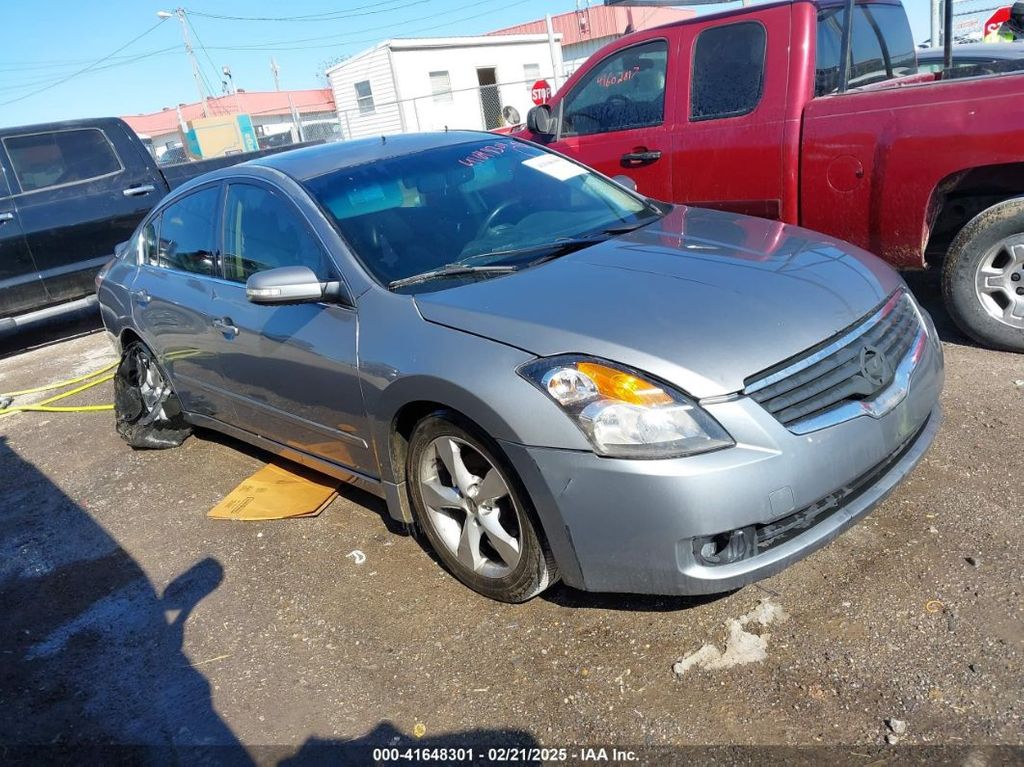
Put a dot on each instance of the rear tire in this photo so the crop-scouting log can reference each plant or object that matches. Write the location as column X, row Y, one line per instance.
column 476, row 515
column 983, row 277
column 147, row 411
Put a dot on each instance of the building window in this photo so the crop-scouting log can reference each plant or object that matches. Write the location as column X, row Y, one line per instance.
column 728, row 71
column 364, row 97
column 441, row 86
column 531, row 73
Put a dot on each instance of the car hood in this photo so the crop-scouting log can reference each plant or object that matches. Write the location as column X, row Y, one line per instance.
column 701, row 299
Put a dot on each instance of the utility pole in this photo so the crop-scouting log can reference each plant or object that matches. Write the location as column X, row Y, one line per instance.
column 277, row 74
column 551, row 50
column 936, row 23
column 180, row 13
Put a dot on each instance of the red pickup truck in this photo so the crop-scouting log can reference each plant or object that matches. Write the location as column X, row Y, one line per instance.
column 753, row 111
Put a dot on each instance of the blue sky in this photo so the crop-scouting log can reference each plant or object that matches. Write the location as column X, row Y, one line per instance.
column 52, row 41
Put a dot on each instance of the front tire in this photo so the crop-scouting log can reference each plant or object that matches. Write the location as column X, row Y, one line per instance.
column 471, row 507
column 983, row 277
column 147, row 411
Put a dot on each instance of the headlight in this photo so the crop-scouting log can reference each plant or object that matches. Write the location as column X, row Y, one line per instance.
column 623, row 412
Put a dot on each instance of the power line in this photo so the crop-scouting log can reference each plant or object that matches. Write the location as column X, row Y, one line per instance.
column 121, row 62
column 82, row 71
column 291, row 45
column 315, row 17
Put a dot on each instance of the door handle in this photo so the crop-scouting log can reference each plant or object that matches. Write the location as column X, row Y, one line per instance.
column 640, row 157
column 138, row 191
column 141, row 297
column 225, row 326
column 5, row 217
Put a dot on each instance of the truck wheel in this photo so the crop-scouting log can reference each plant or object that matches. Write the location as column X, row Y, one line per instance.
column 470, row 506
column 983, row 277
column 147, row 411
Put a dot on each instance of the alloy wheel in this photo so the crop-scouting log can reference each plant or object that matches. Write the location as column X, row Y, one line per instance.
column 470, row 507
column 999, row 281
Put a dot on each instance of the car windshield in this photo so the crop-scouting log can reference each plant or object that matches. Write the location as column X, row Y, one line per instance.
column 486, row 203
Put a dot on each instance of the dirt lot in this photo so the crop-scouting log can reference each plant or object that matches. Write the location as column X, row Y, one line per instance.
column 128, row 616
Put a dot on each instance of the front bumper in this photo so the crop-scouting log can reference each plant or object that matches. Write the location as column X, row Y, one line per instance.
column 630, row 526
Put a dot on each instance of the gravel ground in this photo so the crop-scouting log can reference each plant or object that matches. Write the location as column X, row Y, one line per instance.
column 128, row 616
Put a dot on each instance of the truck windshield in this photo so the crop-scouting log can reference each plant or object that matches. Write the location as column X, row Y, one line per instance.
column 495, row 202
column 882, row 46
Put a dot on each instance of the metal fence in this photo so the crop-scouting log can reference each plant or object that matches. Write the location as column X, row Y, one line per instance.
column 969, row 17
column 484, row 107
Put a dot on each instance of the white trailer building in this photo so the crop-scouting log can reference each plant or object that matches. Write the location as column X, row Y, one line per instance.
column 422, row 84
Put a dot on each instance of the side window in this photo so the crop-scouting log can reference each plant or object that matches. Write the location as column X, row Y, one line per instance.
column 728, row 71
column 263, row 231
column 882, row 46
column 42, row 160
column 625, row 91
column 187, row 237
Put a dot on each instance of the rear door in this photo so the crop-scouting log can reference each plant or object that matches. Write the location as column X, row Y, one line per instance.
column 172, row 298
column 728, row 151
column 21, row 287
column 77, row 198
column 615, row 118
column 291, row 369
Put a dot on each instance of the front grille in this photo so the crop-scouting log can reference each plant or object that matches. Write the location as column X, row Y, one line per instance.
column 857, row 367
column 745, row 542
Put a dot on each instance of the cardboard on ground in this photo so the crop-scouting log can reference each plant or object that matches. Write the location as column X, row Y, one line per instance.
column 278, row 491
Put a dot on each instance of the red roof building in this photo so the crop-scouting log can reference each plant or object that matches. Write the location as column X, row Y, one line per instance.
column 262, row 106
column 588, row 29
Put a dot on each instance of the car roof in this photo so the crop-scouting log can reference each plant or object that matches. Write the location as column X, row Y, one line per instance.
column 995, row 51
column 310, row 162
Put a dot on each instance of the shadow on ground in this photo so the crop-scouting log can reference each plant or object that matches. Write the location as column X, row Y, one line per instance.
column 92, row 654
column 55, row 331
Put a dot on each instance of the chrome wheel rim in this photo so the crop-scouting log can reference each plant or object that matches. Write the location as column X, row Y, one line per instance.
column 470, row 507
column 151, row 384
column 999, row 281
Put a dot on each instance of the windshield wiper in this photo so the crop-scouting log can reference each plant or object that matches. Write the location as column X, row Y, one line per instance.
column 451, row 270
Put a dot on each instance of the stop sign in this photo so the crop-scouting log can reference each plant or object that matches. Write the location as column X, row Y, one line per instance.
column 540, row 92
column 999, row 18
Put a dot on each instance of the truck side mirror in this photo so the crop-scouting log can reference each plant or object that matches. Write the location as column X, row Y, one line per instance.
column 540, row 121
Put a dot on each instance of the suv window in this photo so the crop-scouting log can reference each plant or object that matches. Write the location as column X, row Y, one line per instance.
column 728, row 71
column 625, row 91
column 42, row 160
column 264, row 231
column 882, row 46
column 187, row 237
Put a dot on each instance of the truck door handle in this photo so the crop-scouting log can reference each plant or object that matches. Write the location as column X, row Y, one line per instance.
column 138, row 191
column 640, row 157
column 141, row 297
column 224, row 325
column 5, row 217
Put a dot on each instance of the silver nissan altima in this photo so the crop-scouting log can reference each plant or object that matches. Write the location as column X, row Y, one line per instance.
column 544, row 374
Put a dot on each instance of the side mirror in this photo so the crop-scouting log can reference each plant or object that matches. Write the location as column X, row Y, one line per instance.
column 625, row 181
column 289, row 285
column 539, row 120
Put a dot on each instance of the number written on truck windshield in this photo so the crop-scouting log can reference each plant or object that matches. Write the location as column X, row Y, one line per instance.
column 882, row 46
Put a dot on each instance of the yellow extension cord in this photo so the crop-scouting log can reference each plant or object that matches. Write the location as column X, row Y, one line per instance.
column 92, row 379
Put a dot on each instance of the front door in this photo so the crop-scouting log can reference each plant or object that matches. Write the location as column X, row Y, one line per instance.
column 21, row 287
column 727, row 152
column 617, row 118
column 77, row 200
column 490, row 97
column 173, row 295
column 291, row 369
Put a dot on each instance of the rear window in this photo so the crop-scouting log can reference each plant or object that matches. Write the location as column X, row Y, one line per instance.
column 728, row 71
column 882, row 46
column 43, row 160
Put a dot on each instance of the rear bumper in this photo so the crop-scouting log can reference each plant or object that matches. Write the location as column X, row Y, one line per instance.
column 631, row 526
